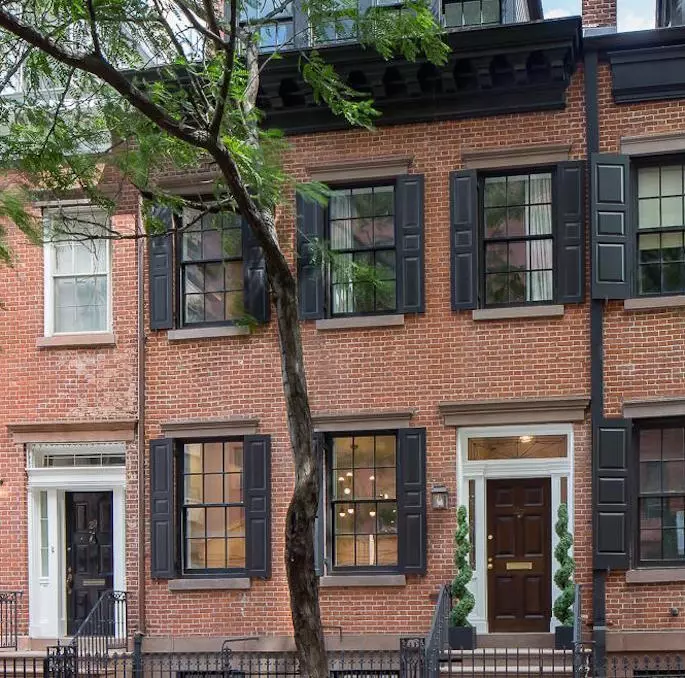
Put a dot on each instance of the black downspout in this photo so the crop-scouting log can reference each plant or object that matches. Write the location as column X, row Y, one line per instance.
column 596, row 368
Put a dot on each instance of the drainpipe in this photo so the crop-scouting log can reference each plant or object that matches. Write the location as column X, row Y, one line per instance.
column 596, row 364
column 140, row 242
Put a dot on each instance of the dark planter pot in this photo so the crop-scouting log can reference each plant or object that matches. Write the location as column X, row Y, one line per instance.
column 462, row 637
column 563, row 637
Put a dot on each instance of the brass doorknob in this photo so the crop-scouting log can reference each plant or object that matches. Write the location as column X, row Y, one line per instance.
column 490, row 537
column 490, row 566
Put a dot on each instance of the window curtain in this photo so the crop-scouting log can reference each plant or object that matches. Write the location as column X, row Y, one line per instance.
column 341, row 239
column 539, row 223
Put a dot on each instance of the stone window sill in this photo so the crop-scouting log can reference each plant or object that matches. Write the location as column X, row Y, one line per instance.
column 517, row 312
column 362, row 580
column 85, row 340
column 193, row 333
column 361, row 322
column 210, row 584
column 654, row 303
column 656, row 575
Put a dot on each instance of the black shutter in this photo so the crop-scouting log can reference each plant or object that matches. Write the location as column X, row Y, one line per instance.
column 464, row 239
column 611, row 519
column 161, row 254
column 570, row 232
column 257, row 470
column 319, row 537
column 411, row 500
column 611, row 227
column 256, row 286
column 409, row 238
column 310, row 228
column 162, row 509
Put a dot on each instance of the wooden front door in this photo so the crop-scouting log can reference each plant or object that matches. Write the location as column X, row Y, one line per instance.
column 89, row 559
column 518, row 551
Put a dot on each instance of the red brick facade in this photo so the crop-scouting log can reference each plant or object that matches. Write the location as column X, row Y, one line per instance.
column 435, row 357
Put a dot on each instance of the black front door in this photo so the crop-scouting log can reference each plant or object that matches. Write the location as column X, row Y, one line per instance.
column 89, row 553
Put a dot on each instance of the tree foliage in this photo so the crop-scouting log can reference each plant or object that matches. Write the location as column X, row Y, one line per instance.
column 462, row 599
column 563, row 577
column 99, row 95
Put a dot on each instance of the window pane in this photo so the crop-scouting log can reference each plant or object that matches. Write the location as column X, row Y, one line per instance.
column 384, row 201
column 385, row 451
column 650, row 444
column 233, row 457
column 471, row 12
column 236, row 552
column 233, row 488
column 344, row 519
column 385, row 483
column 648, row 182
column 650, row 279
column 236, row 521
column 343, row 484
column 650, row 477
column 386, row 549
column 363, row 483
column 344, row 551
column 672, row 246
column 387, row 517
column 213, row 488
column 213, row 457
column 491, row 11
column 194, row 308
column 84, row 257
column 673, row 443
column 214, row 277
column 363, row 451
column 384, row 231
column 672, row 180
column 650, row 248
column 496, row 257
column 495, row 222
column 196, row 554
column 64, row 258
column 674, row 476
column 365, row 519
column 216, row 553
column 496, row 192
column 649, row 213
column 195, row 522
column 540, row 220
column 673, row 277
column 342, row 452
column 193, row 489
column 192, row 245
column 214, row 307
column 672, row 211
column 216, row 522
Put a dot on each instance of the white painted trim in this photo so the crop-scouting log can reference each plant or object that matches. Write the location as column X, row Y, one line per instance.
column 481, row 471
column 50, row 594
column 49, row 291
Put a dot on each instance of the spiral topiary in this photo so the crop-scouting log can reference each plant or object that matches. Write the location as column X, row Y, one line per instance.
column 462, row 598
column 563, row 577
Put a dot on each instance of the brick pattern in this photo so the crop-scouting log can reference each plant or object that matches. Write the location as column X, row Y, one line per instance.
column 599, row 13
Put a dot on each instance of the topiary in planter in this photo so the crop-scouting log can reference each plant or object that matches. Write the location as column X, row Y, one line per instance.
column 563, row 577
column 462, row 599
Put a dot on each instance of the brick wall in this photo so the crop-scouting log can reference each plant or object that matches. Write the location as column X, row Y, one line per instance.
column 48, row 385
column 599, row 13
column 434, row 357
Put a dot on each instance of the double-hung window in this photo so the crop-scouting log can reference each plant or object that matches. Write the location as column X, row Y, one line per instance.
column 78, row 273
column 362, row 253
column 206, row 269
column 372, row 505
column 364, row 500
column 363, row 256
column 660, row 229
column 212, row 506
column 211, row 268
column 517, row 237
column 661, row 459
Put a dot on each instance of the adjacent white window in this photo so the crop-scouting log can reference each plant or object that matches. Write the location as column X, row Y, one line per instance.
column 78, row 273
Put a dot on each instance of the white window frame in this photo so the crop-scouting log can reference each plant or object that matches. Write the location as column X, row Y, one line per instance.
column 49, row 285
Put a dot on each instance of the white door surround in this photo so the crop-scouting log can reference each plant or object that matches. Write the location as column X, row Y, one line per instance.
column 557, row 469
column 47, row 568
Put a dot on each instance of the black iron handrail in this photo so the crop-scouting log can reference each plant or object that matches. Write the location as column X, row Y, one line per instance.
column 105, row 628
column 9, row 624
column 577, row 612
column 436, row 640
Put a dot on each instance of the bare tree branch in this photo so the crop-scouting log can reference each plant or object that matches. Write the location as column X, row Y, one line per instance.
column 197, row 25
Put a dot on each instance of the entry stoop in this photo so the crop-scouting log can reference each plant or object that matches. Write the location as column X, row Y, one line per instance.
column 497, row 662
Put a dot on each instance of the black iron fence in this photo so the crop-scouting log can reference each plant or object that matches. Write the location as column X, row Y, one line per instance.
column 9, row 603
column 105, row 628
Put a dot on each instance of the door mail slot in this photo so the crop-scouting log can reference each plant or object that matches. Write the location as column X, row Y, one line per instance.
column 518, row 565
column 95, row 582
